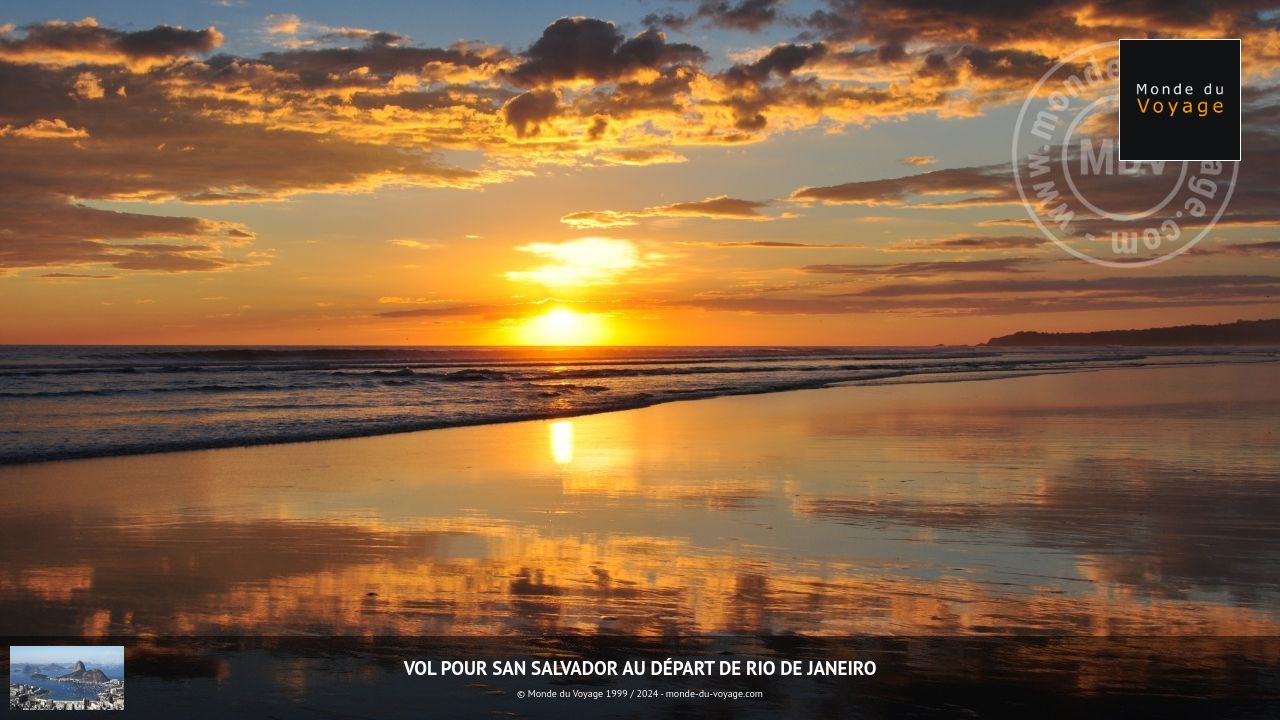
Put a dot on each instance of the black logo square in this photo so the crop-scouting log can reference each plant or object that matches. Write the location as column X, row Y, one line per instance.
column 1179, row 100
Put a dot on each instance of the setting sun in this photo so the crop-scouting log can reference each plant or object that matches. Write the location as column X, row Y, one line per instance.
column 562, row 326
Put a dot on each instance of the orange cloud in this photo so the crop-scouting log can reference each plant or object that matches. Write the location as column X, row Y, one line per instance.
column 55, row 129
column 721, row 207
column 286, row 24
column 918, row 160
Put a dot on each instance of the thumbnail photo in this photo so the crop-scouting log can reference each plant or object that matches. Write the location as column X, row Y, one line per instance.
column 66, row 677
column 627, row 359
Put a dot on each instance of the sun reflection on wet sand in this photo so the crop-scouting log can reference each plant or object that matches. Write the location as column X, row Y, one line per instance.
column 562, row 441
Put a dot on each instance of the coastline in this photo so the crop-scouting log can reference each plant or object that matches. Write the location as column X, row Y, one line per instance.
column 408, row 428
column 306, row 433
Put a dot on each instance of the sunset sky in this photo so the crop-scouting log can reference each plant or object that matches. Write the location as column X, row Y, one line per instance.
column 634, row 172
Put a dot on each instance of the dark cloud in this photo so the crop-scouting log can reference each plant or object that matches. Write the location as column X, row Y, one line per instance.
column 377, row 60
column 987, row 182
column 1174, row 13
column 927, row 269
column 1262, row 248
column 427, row 101
column 1005, row 64
column 61, row 235
column 371, row 37
column 887, row 20
column 74, row 276
column 970, row 243
column 780, row 245
column 85, row 42
column 599, row 126
column 525, row 113
column 781, row 61
column 749, row 15
column 444, row 311
column 1006, row 21
column 1014, row 69
column 586, row 48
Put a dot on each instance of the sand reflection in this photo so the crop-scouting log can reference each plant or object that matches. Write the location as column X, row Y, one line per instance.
column 561, row 441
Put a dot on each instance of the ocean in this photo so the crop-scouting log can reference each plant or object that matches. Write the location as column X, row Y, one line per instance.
column 62, row 402
column 63, row 690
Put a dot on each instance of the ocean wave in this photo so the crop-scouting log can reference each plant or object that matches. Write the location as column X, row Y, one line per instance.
column 105, row 392
column 250, row 401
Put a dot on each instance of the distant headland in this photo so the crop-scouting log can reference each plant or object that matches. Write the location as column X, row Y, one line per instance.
column 1242, row 332
column 80, row 674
